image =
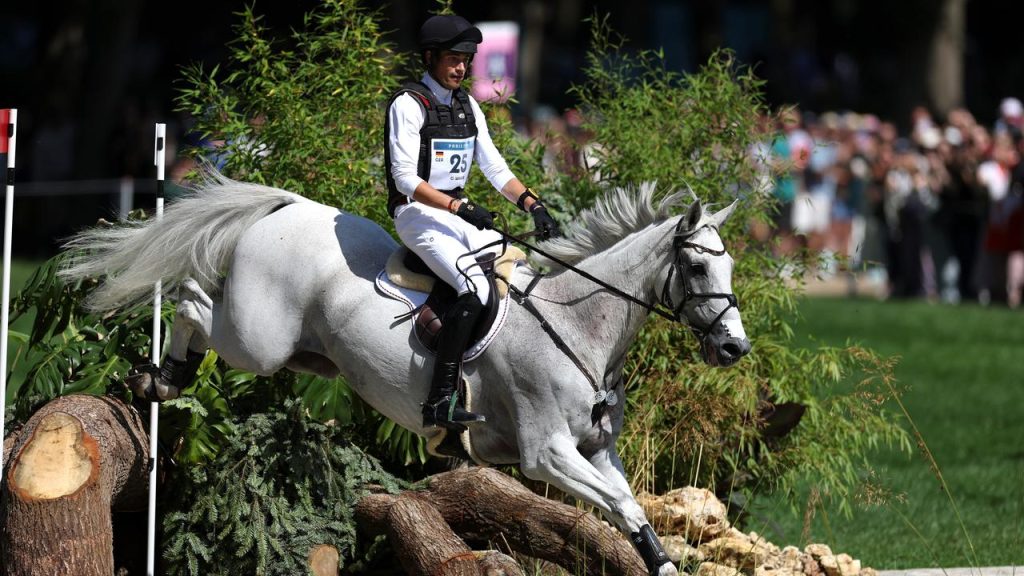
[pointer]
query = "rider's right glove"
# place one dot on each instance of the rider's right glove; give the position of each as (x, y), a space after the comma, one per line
(475, 215)
(545, 225)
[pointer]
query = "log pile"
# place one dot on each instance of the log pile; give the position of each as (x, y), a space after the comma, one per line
(432, 528)
(81, 457)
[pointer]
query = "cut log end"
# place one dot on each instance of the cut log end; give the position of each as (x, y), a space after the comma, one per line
(324, 560)
(58, 460)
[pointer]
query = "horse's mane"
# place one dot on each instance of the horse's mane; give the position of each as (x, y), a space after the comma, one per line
(614, 216)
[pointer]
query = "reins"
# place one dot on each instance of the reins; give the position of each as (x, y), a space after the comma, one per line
(650, 307)
(522, 297)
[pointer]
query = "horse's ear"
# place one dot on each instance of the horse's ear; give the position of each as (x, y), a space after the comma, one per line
(693, 216)
(722, 215)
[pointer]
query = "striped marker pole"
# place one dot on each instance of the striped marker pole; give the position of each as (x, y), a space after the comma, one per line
(159, 155)
(8, 140)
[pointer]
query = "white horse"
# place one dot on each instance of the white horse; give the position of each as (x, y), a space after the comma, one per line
(271, 280)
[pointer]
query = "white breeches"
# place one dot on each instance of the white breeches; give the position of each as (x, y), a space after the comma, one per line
(442, 240)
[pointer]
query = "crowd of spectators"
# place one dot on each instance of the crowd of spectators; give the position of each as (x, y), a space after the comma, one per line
(937, 212)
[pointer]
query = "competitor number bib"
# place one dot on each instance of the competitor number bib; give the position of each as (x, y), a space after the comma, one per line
(450, 159)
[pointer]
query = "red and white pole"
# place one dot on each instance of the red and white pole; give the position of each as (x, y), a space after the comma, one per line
(8, 142)
(159, 156)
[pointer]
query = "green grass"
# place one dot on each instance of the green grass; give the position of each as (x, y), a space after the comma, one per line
(21, 270)
(963, 371)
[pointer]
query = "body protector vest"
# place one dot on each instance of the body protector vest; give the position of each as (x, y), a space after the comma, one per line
(447, 143)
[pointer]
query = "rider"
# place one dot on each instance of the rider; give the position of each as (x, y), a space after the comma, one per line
(434, 131)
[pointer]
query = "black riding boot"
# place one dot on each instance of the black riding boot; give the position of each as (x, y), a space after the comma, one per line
(441, 407)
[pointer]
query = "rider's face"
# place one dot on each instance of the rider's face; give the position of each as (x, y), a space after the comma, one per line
(450, 68)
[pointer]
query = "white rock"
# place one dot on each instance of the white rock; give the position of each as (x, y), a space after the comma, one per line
(692, 512)
(712, 569)
(679, 551)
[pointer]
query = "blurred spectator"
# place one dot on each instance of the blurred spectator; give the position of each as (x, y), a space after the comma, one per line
(1011, 117)
(1003, 234)
(909, 199)
(965, 201)
(790, 152)
(812, 208)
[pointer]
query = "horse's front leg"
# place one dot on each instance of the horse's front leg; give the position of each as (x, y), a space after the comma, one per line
(555, 460)
(607, 462)
(190, 332)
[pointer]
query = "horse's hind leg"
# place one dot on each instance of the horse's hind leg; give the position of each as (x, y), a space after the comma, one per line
(190, 333)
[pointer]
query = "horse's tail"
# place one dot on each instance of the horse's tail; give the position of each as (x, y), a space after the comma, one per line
(195, 238)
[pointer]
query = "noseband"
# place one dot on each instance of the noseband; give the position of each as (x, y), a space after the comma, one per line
(679, 243)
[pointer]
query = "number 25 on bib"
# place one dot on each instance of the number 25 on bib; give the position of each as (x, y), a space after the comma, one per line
(450, 161)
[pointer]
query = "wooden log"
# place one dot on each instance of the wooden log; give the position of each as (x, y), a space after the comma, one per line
(9, 442)
(77, 459)
(323, 560)
(484, 505)
(494, 563)
(424, 541)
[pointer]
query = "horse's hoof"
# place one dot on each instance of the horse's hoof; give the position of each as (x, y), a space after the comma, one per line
(667, 570)
(141, 380)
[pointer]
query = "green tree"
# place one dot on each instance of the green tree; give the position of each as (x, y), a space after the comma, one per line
(303, 112)
(685, 423)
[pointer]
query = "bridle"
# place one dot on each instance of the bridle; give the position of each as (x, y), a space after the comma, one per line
(680, 242)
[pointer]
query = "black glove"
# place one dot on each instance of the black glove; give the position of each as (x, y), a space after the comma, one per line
(475, 215)
(546, 226)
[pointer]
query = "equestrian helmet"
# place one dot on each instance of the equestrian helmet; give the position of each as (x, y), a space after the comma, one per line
(449, 32)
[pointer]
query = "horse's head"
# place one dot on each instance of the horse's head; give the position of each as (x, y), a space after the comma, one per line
(698, 286)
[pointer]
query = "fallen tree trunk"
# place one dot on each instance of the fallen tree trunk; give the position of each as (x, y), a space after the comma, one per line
(77, 459)
(484, 505)
(424, 541)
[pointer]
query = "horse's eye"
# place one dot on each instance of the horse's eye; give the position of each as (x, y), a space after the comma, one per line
(698, 270)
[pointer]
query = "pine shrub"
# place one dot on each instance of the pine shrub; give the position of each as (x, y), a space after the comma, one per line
(282, 484)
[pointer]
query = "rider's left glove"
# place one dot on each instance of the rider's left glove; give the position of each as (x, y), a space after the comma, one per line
(475, 215)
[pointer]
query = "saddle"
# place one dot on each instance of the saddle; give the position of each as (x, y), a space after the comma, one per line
(407, 279)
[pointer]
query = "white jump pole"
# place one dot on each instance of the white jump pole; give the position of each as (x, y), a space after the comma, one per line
(159, 155)
(8, 139)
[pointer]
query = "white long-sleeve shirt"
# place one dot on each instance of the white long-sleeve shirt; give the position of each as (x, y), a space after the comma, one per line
(405, 119)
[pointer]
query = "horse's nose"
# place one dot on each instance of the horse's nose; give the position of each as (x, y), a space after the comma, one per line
(736, 348)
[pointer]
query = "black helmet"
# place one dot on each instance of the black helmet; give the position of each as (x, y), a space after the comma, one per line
(450, 32)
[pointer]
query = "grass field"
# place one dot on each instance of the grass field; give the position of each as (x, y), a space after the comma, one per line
(963, 367)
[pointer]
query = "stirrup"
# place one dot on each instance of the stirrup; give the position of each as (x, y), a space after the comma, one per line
(447, 413)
